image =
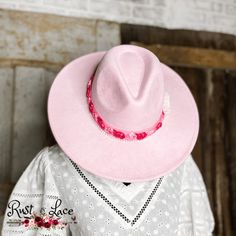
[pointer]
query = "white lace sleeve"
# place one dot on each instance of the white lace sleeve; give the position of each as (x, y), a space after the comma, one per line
(196, 215)
(25, 211)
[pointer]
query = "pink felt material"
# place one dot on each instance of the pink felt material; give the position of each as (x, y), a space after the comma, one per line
(122, 134)
(128, 92)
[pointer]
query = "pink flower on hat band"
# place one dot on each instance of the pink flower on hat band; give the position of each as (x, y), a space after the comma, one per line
(127, 135)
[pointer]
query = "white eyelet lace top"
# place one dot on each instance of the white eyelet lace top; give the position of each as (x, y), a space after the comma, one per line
(56, 197)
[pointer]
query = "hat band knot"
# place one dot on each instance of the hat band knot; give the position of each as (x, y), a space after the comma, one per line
(121, 134)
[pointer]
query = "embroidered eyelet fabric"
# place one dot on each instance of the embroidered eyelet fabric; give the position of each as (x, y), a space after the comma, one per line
(175, 204)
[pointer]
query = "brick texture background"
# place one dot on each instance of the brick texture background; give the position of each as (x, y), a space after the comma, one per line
(208, 15)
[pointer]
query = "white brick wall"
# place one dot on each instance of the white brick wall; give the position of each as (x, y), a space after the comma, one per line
(209, 15)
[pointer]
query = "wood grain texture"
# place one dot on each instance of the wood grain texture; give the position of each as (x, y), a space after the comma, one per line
(6, 106)
(231, 140)
(192, 57)
(177, 37)
(29, 117)
(6, 113)
(107, 35)
(50, 76)
(215, 134)
(44, 37)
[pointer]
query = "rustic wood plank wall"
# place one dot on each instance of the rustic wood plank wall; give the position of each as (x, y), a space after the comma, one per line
(230, 142)
(207, 63)
(33, 49)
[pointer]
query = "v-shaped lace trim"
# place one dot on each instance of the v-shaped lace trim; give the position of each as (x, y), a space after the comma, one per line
(122, 215)
(126, 193)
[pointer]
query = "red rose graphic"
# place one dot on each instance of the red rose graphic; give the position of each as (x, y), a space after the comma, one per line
(40, 224)
(26, 221)
(44, 220)
(55, 222)
(47, 225)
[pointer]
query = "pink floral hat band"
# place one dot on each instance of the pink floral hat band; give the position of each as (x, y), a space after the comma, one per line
(121, 134)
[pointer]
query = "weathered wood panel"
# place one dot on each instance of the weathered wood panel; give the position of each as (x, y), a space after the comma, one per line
(231, 140)
(44, 37)
(6, 106)
(29, 117)
(215, 164)
(193, 57)
(6, 97)
(49, 78)
(108, 35)
(177, 37)
(51, 40)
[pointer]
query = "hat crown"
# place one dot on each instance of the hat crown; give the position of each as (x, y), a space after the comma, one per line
(128, 88)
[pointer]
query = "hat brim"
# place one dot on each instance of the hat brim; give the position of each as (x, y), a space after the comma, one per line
(91, 148)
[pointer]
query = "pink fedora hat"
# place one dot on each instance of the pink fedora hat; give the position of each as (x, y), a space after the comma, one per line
(123, 115)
